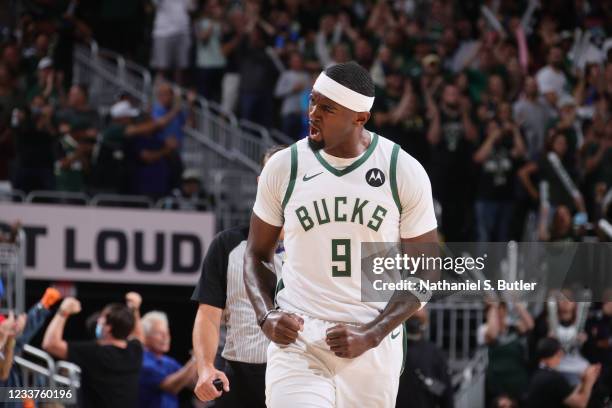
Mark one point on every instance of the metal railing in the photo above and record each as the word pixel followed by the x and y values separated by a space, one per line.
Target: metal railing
pixel 453 328
pixel 117 200
pixel 107 74
pixel 13 196
pixel 469 383
pixel 12 256
pixel 39 369
pixel 217 141
pixel 57 197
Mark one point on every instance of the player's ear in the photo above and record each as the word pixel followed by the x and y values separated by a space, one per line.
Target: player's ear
pixel 362 118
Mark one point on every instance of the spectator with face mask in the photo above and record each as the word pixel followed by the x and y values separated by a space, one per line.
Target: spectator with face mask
pixel 161 377
pixel 110 365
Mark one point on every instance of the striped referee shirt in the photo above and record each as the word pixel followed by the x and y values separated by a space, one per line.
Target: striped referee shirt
pixel 222 285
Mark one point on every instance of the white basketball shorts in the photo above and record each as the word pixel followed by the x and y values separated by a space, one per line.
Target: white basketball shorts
pixel 308 374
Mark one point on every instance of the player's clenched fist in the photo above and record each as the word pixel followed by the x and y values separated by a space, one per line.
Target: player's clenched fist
pixel 349 341
pixel 205 390
pixel 282 328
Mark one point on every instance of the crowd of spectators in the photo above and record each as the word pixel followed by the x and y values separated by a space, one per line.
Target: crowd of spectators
pixel 125 363
pixel 507 104
pixel 53 138
pixel 560 357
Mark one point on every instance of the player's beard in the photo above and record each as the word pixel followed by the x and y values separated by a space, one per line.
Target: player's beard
pixel 316 145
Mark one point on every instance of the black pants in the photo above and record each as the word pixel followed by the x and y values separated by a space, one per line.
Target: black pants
pixel 247 386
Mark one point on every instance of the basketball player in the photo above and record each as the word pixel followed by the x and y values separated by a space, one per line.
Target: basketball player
pixel 341 186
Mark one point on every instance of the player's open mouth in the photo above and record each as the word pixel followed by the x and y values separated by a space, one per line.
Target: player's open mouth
pixel 314 132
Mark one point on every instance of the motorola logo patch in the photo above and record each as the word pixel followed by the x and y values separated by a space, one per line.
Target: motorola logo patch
pixel 375 177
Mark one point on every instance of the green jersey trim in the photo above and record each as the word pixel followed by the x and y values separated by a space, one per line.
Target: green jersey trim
pixel 292 176
pixel 393 176
pixel 355 164
pixel 279 286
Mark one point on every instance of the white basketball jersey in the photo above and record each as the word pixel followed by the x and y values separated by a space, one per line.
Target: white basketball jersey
pixel 327 213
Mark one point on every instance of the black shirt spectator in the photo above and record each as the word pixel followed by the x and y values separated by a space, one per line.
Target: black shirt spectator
pixel 548 389
pixel 106 368
pixel 110 365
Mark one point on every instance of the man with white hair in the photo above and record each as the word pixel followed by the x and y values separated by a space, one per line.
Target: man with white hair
pixel 161 377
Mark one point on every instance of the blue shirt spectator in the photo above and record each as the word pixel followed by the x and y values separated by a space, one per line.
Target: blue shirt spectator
pixel 151 172
pixel 174 128
pixel 154 370
pixel 161 377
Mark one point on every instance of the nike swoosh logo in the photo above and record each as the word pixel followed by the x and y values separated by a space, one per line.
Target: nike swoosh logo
pixel 394 335
pixel 306 178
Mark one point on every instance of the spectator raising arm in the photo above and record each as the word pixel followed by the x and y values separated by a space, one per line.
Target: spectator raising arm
pixel 205 342
pixel 471 133
pixel 486 148
pixel 582 393
pixel 133 300
pixel 150 126
pixel 493 324
pixel 525 322
pixel 435 128
pixel 524 175
pixel 53 341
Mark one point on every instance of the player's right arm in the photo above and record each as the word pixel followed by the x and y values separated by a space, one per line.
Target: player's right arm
pixel 260 281
pixel 266 224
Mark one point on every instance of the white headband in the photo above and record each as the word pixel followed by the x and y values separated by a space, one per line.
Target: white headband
pixel 342 95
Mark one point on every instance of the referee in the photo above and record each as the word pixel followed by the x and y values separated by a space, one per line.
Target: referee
pixel 222 296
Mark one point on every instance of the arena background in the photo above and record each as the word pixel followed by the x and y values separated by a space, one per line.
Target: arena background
pixel 481 92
